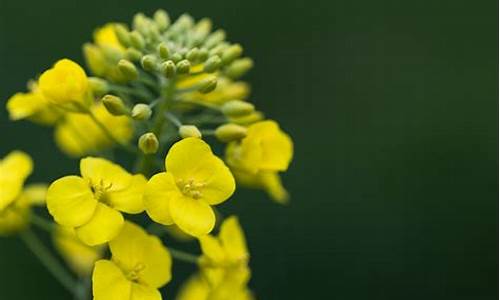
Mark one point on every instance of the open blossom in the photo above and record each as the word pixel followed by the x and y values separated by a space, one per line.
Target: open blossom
pixel 258 158
pixel 195 179
pixel 92 203
pixel 139 266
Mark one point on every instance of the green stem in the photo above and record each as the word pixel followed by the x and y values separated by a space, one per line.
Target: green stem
pixel 42 223
pixel 48 260
pixel 183 256
pixel 130 91
pixel 108 133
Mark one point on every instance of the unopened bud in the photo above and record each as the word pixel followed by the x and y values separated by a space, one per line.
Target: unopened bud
pixel 176 57
pixel 231 53
pixel 237 108
pixel 183 66
pixel 230 132
pixel 98 86
pixel 141 112
pixel 212 64
pixel 148 143
pixel 114 105
pixel 239 67
pixel 248 119
pixel 192 54
pixel 128 69
pixel 161 19
pixel 137 40
pixel 202 54
pixel 168 69
pixel 122 34
pixel 133 54
pixel 186 131
pixel 215 38
pixel 163 51
pixel 208 85
pixel 148 62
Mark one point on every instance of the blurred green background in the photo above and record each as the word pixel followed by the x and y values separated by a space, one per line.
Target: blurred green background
pixel 393 106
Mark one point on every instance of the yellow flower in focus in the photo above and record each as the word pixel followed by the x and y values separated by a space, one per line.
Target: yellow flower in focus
pixel 79 256
pixel 103 55
pixel 91 204
pixel 139 266
pixel 256 160
pixel 33 106
pixel 78 135
pixel 194 180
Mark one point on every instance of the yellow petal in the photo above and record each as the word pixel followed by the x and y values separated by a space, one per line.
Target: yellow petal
pixel 195 288
pixel 220 186
pixel 70 201
pixel 36 193
pixel 233 239
pixel 109 283
pixel 271 182
pixel 24 105
pixel 133 247
pixel 192 216
pixel 105 224
pixel 159 190
pixel 212 250
pixel 141 292
pixel 129 200
pixel 101 171
pixel 16 164
pixel 78 256
pixel 14 218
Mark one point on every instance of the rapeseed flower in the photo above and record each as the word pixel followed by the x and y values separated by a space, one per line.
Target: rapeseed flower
pixel 194 180
pixel 91 204
pixel 139 266
pixel 258 158
pixel 33 106
pixel 78 135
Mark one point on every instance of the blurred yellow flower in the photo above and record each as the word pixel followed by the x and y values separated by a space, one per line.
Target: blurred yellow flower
pixel 78 135
pixel 225 91
pixel 139 266
pixel 33 106
pixel 79 256
pixel 195 179
pixel 92 203
pixel 66 85
pixel 198 288
pixel 256 160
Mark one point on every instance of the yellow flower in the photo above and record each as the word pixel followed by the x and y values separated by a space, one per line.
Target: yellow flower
pixel 102 56
pixel 33 106
pixel 92 203
pixel 139 266
pixel 66 85
pixel 78 256
pixel 195 179
pixel 78 135
pixel 198 288
pixel 256 160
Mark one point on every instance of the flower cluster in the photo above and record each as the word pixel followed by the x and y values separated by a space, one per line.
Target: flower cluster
pixel 159 92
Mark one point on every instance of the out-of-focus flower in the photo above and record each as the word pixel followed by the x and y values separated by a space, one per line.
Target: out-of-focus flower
pixel 195 179
pixel 139 266
pixel 92 203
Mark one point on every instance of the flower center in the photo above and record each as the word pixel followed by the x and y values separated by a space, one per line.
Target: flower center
pixel 99 189
pixel 191 188
pixel 134 274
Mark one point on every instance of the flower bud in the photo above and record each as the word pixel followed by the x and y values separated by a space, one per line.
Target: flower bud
pixel 231 53
pixel 208 85
pixel 230 132
pixel 212 64
pixel 148 62
pixel 98 86
pixel 248 119
pixel 133 54
pixel 141 112
pixel 122 34
pixel 128 69
pixel 192 54
pixel 186 131
pixel 239 67
pixel 176 57
pixel 202 54
pixel 215 38
pixel 168 69
pixel 163 51
pixel 114 105
pixel 137 40
pixel 183 66
pixel 148 143
pixel 161 19
pixel 237 108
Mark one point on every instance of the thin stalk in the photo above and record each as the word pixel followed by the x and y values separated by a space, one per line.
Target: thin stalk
pixel 42 223
pixel 183 256
pixel 48 260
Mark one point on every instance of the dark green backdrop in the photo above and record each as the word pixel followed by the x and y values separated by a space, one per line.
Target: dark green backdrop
pixel 393 109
